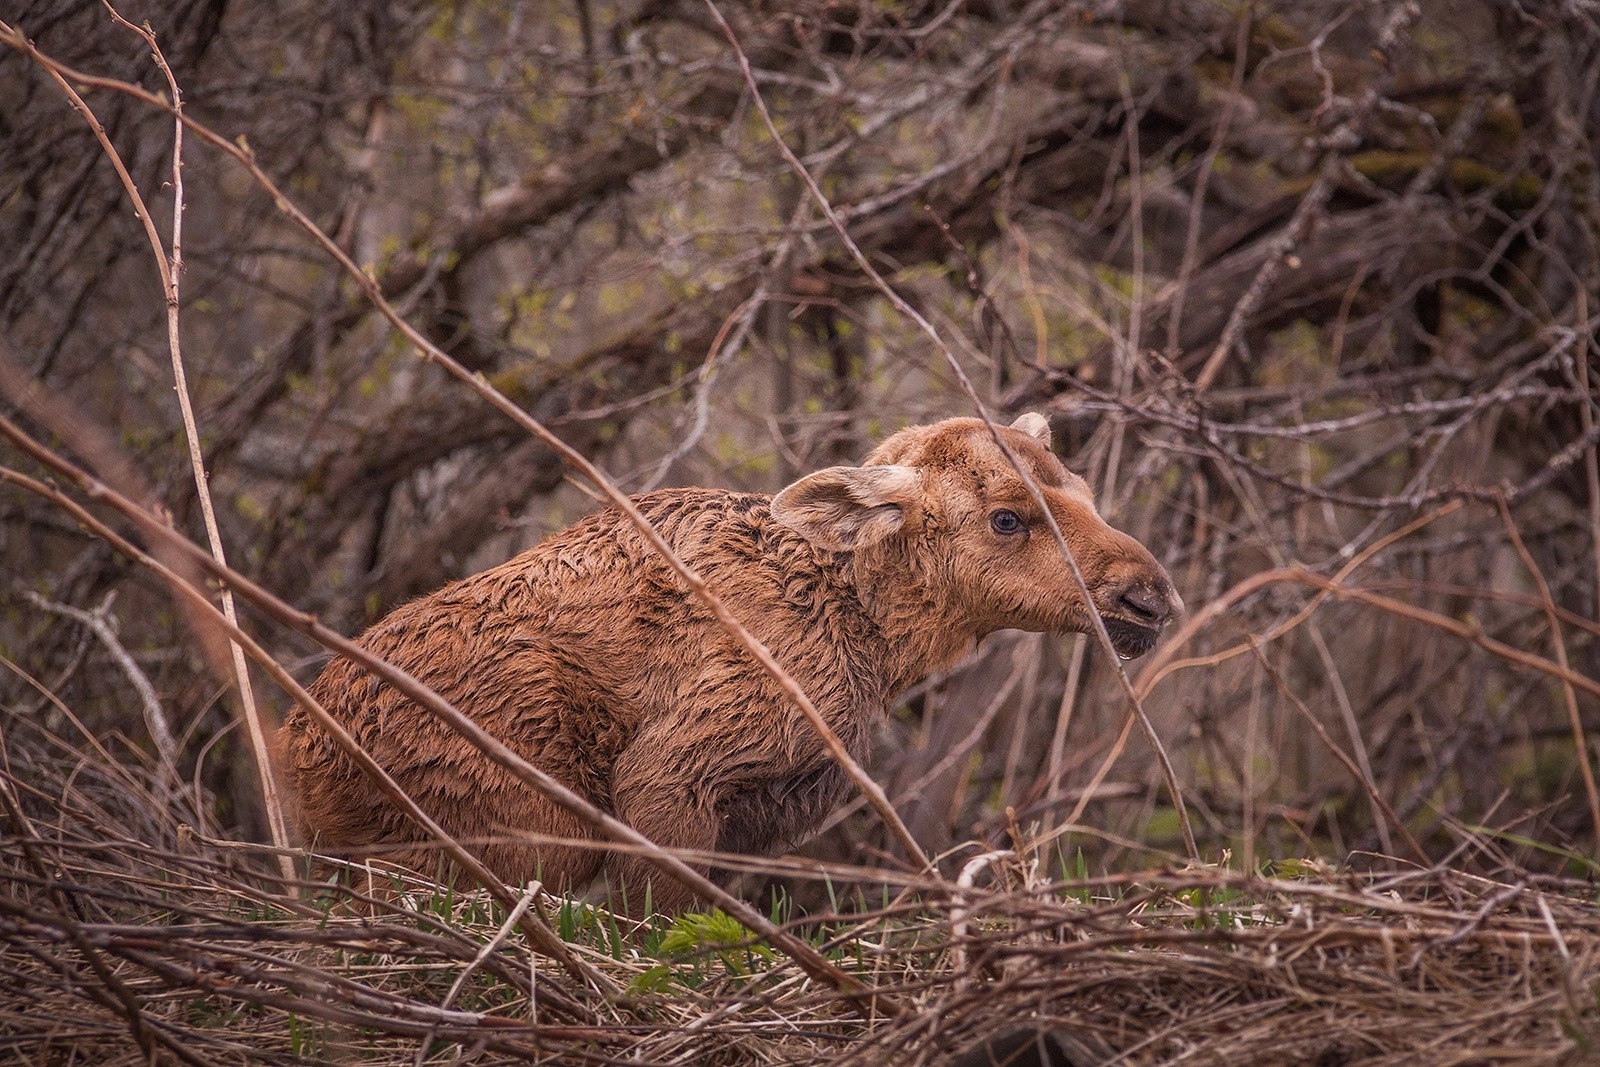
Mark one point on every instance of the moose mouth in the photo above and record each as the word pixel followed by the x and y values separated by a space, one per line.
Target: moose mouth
pixel 1130 639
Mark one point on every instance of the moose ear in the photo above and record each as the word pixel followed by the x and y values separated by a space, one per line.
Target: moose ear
pixel 1035 426
pixel 845 508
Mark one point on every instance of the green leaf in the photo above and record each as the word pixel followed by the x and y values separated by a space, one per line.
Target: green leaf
pixel 656 979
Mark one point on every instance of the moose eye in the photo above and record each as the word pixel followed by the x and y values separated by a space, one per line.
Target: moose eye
pixel 1005 522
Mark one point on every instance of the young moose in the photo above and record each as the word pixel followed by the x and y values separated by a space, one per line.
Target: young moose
pixel 588 656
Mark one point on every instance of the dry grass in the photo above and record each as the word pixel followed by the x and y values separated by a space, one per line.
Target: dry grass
pixel 127 937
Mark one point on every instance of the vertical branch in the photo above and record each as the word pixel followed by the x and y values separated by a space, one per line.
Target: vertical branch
pixel 1202 181
pixel 744 316
pixel 1347 712
pixel 1126 357
pixel 1579 739
pixel 1058 739
pixel 171 270
pixel 1032 652
pixel 1591 461
pixel 1366 783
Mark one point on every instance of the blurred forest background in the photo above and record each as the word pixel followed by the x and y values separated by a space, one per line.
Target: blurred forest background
pixel 1288 278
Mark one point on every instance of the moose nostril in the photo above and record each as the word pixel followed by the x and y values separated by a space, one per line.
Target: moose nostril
pixel 1146 603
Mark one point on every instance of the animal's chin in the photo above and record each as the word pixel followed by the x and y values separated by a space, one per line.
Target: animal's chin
pixel 1130 639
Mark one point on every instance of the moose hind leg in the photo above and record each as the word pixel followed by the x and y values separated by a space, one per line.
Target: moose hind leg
pixel 536 840
pixel 673 811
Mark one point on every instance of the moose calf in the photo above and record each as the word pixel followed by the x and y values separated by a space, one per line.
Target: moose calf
pixel 588 656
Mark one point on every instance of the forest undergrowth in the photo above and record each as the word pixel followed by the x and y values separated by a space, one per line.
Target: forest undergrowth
pixel 308 309
pixel 129 936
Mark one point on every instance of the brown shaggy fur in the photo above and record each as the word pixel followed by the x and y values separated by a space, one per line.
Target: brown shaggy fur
pixel 587 655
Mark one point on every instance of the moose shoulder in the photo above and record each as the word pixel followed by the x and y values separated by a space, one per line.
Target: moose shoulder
pixel 588 656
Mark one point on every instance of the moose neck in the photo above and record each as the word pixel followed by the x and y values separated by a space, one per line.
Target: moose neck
pixel 921 631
